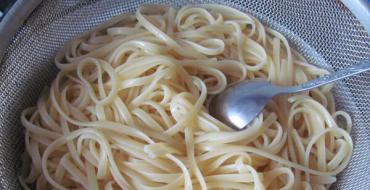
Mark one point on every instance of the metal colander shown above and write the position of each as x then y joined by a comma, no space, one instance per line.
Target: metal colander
324,31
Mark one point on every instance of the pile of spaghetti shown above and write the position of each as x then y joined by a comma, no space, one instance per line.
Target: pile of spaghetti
128,109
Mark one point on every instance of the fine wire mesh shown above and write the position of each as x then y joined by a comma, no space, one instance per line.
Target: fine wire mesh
325,32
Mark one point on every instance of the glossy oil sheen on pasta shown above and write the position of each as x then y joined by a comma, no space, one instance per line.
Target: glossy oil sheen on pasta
128,109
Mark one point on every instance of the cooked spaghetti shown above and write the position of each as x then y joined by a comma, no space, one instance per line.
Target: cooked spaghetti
128,109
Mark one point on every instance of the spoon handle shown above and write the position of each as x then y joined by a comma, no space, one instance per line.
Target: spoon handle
343,73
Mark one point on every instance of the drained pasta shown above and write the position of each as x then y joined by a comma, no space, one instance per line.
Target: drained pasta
128,109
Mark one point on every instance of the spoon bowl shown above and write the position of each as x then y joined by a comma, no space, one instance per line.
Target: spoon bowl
239,104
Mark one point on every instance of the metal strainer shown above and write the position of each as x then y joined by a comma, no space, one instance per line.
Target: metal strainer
325,31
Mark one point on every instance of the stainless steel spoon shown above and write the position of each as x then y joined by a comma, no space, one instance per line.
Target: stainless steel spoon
238,105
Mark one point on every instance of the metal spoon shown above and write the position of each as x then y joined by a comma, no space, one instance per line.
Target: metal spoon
238,105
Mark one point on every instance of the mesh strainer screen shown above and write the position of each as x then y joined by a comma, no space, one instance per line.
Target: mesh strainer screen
324,31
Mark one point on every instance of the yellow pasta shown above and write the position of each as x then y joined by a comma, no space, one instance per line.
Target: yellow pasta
128,109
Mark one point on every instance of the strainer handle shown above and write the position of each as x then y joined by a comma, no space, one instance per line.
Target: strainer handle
343,73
